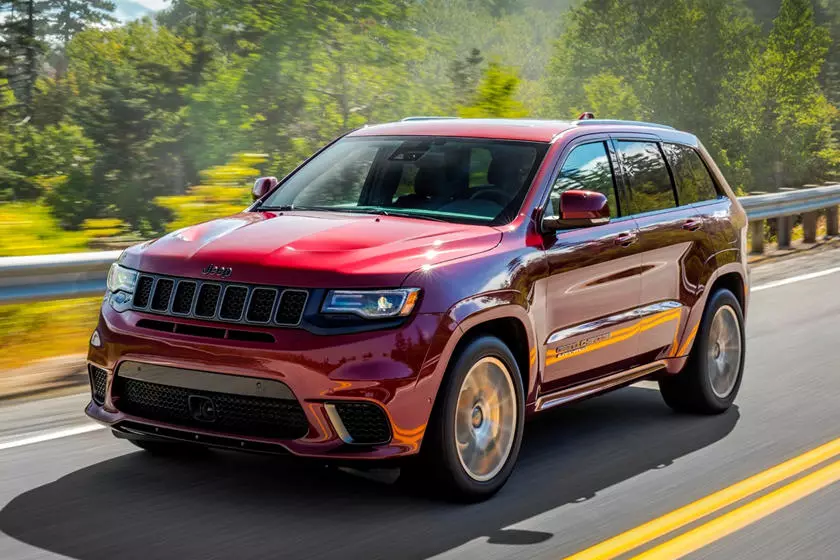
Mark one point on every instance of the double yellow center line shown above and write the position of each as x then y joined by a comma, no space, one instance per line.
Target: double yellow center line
730,522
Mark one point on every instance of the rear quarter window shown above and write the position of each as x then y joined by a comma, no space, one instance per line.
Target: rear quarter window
694,183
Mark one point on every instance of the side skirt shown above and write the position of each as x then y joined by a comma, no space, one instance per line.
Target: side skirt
603,384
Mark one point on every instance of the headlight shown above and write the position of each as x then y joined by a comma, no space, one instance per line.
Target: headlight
372,304
121,279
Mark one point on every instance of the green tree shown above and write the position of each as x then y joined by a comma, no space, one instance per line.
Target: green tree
495,95
129,98
608,94
63,19
674,56
224,190
20,49
778,116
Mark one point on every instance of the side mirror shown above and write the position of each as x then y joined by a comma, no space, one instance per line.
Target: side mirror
262,186
579,209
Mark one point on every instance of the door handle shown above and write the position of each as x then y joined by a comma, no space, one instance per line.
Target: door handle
626,239
692,224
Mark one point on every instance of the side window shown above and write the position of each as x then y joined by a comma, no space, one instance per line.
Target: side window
586,168
648,177
694,184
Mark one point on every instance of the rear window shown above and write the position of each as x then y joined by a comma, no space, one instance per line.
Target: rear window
647,175
694,184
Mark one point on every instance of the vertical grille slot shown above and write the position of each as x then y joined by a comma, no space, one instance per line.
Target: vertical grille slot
262,302
290,309
208,298
144,291
98,381
184,295
233,303
162,295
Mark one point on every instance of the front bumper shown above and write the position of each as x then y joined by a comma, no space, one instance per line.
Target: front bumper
397,371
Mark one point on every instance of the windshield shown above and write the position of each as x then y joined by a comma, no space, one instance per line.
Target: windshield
451,179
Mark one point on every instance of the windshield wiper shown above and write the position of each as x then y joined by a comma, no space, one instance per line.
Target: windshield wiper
350,210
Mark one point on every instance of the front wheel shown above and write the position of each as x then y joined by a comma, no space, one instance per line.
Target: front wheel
712,375
476,431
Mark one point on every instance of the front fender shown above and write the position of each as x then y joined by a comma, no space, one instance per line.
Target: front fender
460,320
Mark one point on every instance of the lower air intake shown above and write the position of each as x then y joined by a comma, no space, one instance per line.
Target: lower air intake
98,382
366,423
231,414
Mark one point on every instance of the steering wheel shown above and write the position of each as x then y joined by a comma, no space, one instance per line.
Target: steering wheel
496,195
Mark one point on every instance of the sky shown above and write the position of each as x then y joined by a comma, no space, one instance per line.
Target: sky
132,9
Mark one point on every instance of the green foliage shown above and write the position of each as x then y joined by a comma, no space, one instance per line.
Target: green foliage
495,95
779,118
128,84
62,19
123,117
608,94
704,66
224,190
30,229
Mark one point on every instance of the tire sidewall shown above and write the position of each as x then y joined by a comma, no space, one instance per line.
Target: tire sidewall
481,347
700,358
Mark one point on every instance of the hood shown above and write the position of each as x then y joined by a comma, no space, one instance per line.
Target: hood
311,249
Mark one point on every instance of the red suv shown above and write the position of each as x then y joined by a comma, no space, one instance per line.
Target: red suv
416,289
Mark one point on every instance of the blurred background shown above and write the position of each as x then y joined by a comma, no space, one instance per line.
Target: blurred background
123,119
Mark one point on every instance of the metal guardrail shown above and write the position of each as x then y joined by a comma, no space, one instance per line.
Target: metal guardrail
784,206
52,277
72,275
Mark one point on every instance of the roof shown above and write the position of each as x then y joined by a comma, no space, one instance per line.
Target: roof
508,129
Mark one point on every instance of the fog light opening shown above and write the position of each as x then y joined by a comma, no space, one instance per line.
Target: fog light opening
95,340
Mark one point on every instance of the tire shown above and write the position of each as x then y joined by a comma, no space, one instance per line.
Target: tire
709,382
483,382
166,448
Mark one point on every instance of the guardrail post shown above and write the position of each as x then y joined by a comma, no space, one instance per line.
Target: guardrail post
757,236
809,226
831,221
785,225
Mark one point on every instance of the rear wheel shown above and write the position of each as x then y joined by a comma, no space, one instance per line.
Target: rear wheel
712,375
471,446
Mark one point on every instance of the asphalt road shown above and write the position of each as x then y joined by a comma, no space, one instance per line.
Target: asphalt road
587,472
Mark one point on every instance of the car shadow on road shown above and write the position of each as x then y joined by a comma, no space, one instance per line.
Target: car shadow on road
230,505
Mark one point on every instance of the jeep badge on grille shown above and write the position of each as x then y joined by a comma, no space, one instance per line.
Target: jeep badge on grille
221,271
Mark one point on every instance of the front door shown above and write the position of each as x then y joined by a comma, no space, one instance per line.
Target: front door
594,282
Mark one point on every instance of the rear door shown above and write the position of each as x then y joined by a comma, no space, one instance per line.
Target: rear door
594,283
673,244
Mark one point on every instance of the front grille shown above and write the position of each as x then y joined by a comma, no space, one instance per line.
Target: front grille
365,422
233,303
208,300
291,307
262,302
162,295
183,298
98,381
143,291
220,301
234,414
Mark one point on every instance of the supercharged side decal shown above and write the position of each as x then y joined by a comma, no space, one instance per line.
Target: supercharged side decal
607,339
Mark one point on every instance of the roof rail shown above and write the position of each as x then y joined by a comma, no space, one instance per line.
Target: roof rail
427,118
590,122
